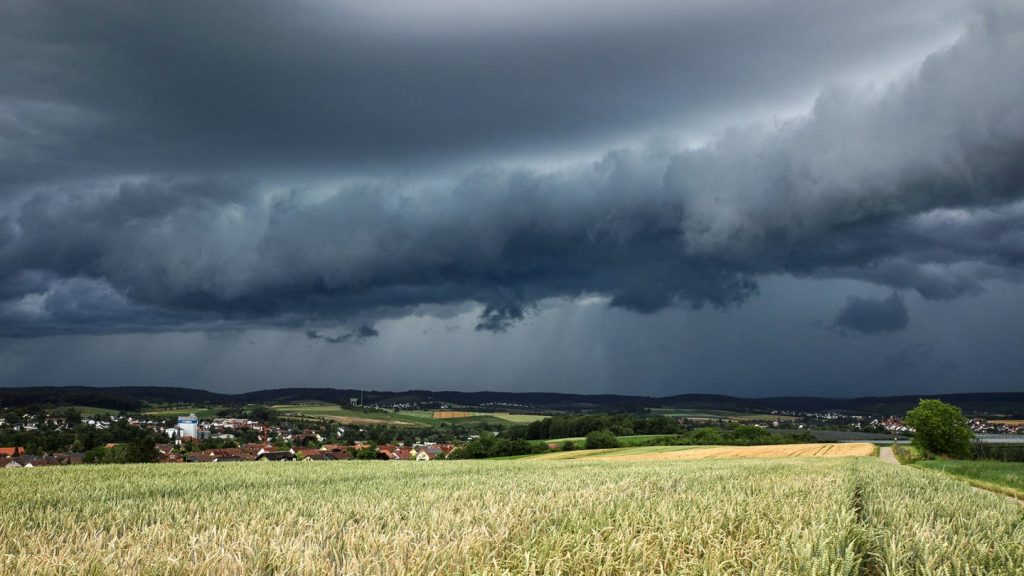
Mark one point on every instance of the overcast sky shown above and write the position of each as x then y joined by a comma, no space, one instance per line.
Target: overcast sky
650,197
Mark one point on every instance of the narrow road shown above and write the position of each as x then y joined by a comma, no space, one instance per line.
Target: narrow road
885,455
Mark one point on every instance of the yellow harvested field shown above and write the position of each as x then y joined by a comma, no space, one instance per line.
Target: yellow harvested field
779,451
1008,422
442,414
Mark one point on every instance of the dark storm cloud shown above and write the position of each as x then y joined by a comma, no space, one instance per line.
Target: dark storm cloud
916,186
361,333
873,316
502,238
91,89
500,317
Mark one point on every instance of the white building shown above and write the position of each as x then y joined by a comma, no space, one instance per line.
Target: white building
188,426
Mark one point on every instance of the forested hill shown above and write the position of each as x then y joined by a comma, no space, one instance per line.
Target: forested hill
132,398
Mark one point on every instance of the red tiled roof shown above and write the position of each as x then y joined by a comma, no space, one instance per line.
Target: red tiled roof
12,451
224,452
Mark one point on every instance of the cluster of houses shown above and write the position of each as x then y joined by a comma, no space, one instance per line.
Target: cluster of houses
189,433
228,428
982,426
896,425
263,452
187,427
15,457
27,423
892,424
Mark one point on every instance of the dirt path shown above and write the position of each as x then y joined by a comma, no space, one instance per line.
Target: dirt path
885,455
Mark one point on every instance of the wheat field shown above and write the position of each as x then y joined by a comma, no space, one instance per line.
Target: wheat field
779,517
779,451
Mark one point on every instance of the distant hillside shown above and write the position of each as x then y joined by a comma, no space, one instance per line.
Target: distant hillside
972,403
131,398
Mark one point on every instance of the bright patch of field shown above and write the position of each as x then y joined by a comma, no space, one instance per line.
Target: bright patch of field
481,418
488,417
1005,477
518,418
584,454
200,411
420,417
94,411
439,414
1008,422
798,517
776,451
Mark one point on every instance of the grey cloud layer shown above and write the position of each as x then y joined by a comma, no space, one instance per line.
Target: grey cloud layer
873,316
108,87
361,333
916,186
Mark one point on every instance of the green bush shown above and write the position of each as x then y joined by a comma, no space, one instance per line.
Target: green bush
601,439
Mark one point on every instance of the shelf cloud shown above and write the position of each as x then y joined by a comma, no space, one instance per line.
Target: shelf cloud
178,168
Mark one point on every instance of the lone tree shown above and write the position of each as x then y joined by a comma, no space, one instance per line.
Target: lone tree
940,428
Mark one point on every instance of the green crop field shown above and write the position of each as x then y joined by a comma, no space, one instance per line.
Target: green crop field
169,412
636,440
348,415
1007,476
799,516
400,418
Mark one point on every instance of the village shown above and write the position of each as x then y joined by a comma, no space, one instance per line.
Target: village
193,440
64,437
980,426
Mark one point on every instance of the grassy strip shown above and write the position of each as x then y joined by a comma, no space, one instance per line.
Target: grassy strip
907,454
1002,477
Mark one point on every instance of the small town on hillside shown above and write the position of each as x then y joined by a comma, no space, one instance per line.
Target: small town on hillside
262,435
193,440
